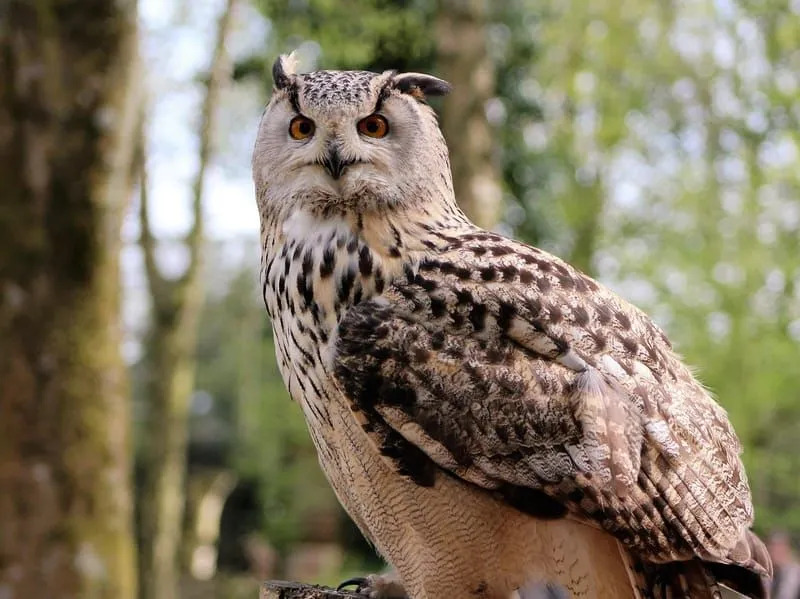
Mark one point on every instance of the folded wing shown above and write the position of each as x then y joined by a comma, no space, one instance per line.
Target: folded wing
504,366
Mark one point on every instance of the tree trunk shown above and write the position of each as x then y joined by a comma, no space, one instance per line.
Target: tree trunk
208,490
170,353
463,60
584,217
171,358
67,117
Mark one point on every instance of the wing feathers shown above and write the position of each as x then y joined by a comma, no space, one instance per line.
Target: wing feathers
539,379
610,429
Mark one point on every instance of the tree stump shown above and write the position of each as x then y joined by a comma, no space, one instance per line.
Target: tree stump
280,589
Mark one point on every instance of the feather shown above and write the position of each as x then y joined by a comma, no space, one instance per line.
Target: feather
536,404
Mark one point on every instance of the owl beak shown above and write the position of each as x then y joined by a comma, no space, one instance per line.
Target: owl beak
333,162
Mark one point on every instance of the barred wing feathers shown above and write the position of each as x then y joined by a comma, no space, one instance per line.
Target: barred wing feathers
504,366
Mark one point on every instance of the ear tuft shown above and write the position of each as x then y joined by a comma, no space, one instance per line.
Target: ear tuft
420,84
283,70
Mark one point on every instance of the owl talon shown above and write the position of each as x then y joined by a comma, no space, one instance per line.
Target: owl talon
359,581
376,586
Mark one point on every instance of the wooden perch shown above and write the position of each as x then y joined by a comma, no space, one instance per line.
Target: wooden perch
280,589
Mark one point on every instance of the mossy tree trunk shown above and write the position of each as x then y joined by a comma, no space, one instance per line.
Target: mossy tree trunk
464,61
170,350
68,96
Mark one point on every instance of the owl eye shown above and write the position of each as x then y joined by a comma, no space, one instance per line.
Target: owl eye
373,126
301,127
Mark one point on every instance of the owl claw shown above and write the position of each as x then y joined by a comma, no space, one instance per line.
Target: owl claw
359,581
376,586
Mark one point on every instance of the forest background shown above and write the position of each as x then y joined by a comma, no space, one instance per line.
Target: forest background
147,445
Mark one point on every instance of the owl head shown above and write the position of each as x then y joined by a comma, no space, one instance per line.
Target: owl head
337,141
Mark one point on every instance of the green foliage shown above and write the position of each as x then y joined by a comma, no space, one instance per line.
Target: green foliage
514,50
374,35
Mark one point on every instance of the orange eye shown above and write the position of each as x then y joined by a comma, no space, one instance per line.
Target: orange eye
373,126
301,127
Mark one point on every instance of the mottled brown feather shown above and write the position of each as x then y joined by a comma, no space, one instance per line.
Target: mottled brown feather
505,386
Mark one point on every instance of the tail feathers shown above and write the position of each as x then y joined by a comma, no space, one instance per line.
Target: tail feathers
752,571
697,579
752,554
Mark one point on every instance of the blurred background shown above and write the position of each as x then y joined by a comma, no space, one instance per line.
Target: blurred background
147,445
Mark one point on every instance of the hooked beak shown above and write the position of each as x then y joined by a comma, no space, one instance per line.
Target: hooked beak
333,162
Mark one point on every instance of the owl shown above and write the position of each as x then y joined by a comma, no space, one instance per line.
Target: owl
492,419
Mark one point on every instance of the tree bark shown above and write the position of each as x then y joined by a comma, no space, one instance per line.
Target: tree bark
464,61
67,117
171,358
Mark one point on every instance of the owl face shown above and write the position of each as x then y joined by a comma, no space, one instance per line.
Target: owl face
347,140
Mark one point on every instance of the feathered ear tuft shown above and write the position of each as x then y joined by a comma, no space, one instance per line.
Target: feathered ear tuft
283,70
421,85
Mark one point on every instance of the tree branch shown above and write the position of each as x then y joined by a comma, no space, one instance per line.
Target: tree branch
220,73
147,241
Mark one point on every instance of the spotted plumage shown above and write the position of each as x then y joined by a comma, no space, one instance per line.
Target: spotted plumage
491,418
